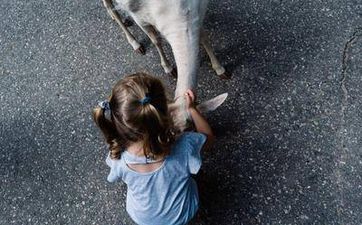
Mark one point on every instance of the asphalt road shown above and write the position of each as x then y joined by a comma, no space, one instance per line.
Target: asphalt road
289,137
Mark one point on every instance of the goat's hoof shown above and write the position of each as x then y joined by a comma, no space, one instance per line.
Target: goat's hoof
225,76
128,22
173,73
141,50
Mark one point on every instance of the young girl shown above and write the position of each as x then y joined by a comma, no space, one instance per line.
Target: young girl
145,153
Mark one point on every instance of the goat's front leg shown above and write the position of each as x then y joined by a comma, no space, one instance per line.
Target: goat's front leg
152,34
218,68
130,38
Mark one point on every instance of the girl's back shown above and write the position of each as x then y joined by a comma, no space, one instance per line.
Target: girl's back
167,195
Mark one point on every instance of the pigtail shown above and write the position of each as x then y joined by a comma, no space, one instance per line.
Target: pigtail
158,136
109,132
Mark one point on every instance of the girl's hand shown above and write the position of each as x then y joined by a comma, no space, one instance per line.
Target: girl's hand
190,99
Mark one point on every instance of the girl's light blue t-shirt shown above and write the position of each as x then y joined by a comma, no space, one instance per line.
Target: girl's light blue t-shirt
168,195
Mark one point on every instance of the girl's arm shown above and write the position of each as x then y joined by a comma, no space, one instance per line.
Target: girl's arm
200,122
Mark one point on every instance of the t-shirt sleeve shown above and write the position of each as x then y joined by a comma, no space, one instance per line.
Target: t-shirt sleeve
116,170
195,141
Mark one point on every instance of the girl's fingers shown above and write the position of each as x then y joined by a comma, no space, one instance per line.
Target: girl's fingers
187,97
190,94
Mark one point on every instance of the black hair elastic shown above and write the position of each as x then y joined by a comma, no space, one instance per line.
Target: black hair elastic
145,100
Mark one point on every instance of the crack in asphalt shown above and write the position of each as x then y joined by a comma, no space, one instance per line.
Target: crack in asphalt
342,156
346,49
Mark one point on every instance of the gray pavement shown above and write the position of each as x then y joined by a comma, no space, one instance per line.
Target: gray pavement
289,137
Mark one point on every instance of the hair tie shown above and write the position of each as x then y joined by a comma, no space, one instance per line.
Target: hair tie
145,100
104,105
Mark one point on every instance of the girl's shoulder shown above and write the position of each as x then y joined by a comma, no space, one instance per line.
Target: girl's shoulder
189,142
191,138
116,168
188,146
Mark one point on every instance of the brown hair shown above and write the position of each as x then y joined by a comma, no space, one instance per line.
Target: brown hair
133,120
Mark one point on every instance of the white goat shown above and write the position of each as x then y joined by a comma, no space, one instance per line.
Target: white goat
180,23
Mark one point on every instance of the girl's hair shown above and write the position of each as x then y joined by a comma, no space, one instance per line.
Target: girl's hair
138,106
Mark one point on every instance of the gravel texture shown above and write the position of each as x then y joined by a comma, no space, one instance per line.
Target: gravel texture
289,143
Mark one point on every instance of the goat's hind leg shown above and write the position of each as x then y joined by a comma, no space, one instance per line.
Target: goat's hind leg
218,68
130,38
152,34
127,21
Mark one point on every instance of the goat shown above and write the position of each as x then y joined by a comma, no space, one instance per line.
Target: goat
180,23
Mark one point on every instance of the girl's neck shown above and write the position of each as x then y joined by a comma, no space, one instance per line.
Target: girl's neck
136,148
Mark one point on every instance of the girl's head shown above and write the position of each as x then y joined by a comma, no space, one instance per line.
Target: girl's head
138,109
